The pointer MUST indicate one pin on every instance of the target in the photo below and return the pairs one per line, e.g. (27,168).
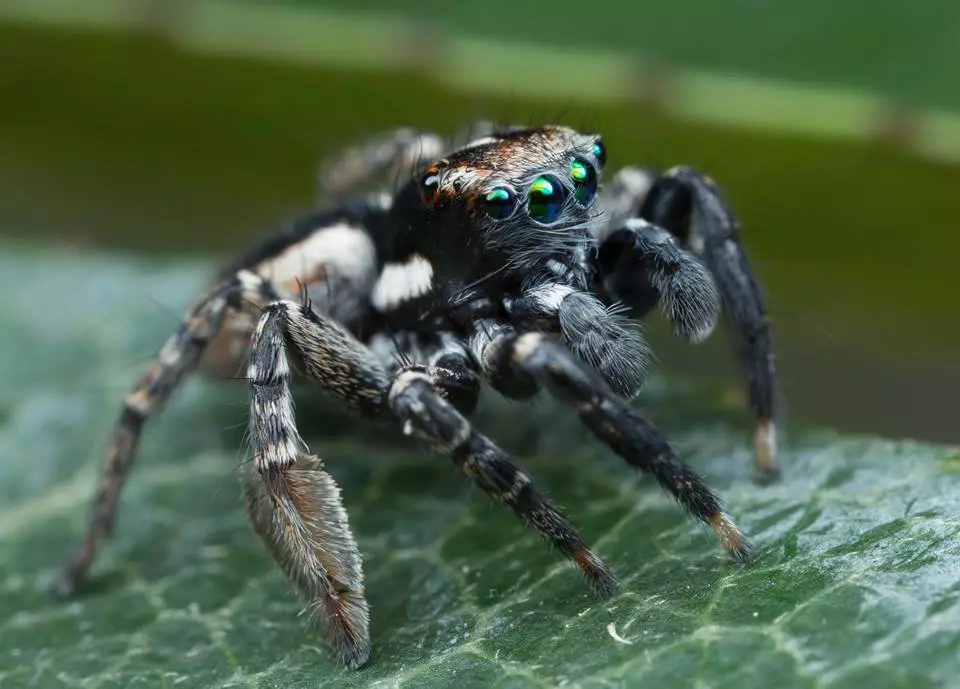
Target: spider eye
(430,185)
(585,178)
(500,203)
(545,199)
(600,152)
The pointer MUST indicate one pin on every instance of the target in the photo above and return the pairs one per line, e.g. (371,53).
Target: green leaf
(855,580)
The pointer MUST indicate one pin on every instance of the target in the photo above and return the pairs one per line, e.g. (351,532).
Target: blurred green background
(177,127)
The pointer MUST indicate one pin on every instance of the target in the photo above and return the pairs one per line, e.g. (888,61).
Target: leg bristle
(603,582)
(299,515)
(343,617)
(731,537)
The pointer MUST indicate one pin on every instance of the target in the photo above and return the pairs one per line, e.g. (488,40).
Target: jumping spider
(495,259)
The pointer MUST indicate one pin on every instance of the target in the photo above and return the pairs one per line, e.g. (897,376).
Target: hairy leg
(415,400)
(601,336)
(295,506)
(176,360)
(381,160)
(534,358)
(298,514)
(643,266)
(622,197)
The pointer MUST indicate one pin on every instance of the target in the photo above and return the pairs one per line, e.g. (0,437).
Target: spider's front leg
(177,359)
(295,505)
(691,208)
(523,362)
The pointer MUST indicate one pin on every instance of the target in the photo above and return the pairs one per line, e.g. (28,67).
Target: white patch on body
(637,182)
(400,282)
(248,281)
(338,265)
(341,252)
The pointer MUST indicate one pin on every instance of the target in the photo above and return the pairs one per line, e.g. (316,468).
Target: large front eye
(545,199)
(500,203)
(585,178)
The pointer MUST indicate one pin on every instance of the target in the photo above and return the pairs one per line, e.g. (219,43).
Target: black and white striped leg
(294,504)
(177,359)
(643,266)
(690,206)
(299,515)
(426,415)
(541,361)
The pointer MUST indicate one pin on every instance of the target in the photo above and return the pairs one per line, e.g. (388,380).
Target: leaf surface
(856,579)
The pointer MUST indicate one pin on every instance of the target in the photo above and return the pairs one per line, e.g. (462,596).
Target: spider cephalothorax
(523,194)
(498,258)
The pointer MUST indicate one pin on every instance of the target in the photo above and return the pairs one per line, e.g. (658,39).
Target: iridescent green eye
(500,203)
(585,178)
(545,199)
(578,171)
(600,152)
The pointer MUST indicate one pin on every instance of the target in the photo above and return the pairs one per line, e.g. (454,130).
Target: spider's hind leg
(177,359)
(689,205)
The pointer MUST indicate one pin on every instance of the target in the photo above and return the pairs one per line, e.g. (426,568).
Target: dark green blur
(887,46)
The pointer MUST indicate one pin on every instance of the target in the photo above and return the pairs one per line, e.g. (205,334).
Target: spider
(494,258)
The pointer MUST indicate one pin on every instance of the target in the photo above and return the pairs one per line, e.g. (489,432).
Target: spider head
(518,197)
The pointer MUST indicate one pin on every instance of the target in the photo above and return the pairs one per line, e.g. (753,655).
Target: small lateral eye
(499,203)
(545,199)
(585,178)
(430,185)
(600,152)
